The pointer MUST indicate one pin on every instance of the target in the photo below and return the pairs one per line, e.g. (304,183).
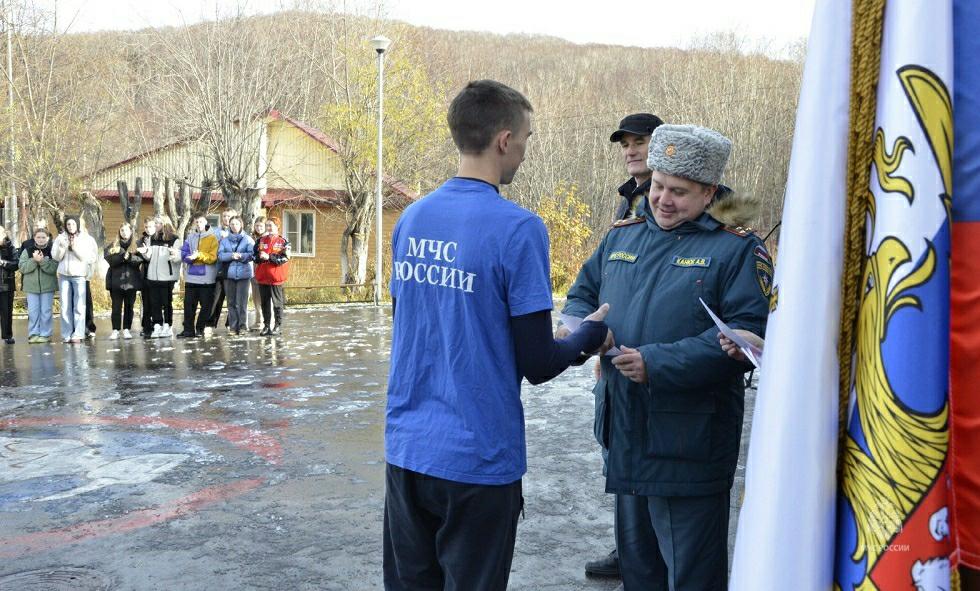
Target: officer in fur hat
(669,408)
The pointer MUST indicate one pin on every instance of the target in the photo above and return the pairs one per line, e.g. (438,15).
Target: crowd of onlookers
(217,265)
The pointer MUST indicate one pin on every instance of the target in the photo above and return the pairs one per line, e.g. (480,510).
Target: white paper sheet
(754,354)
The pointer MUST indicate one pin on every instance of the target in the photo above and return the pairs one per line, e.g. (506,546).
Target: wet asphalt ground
(251,463)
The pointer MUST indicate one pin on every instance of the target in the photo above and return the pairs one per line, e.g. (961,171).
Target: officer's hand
(600,315)
(728,346)
(562,332)
(609,343)
(631,365)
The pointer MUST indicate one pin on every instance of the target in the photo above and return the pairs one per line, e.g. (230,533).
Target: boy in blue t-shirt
(472,298)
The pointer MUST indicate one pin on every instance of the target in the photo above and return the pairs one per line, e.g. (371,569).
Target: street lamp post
(380,45)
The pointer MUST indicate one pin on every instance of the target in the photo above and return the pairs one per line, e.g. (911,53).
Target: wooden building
(303,185)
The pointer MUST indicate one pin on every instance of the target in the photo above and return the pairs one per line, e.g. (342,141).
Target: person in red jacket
(271,272)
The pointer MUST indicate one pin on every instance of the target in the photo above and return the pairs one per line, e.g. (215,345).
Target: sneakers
(114,335)
(208,331)
(32,339)
(277,331)
(157,332)
(265,332)
(126,334)
(166,332)
(9,341)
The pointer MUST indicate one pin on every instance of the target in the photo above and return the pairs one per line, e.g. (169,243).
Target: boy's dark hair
(481,110)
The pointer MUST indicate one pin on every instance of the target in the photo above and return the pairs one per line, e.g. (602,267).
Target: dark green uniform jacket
(678,434)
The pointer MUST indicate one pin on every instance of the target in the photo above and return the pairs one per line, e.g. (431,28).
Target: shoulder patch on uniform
(760,252)
(624,256)
(763,272)
(679,261)
(738,230)
(628,222)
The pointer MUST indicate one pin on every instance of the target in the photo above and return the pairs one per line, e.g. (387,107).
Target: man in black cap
(633,136)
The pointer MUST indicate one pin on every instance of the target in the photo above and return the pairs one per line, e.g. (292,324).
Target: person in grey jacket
(236,252)
(199,254)
(75,252)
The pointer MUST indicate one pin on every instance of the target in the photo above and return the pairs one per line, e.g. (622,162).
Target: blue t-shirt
(465,261)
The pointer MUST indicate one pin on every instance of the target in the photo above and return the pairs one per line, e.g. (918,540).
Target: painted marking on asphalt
(48,540)
(257,442)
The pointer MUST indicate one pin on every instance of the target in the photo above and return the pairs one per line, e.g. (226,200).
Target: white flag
(785,534)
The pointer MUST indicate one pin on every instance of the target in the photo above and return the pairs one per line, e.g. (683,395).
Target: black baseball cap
(637,123)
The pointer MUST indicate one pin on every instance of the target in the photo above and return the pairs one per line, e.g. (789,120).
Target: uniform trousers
(448,536)
(673,543)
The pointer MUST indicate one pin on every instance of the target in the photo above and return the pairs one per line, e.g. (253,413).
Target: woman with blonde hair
(162,273)
(123,280)
(236,251)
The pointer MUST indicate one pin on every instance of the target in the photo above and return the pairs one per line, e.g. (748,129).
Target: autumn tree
(415,132)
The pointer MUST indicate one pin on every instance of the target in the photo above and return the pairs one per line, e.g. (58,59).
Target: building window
(213,220)
(299,228)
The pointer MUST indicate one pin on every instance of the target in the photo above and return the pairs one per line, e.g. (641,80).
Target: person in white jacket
(75,252)
(162,273)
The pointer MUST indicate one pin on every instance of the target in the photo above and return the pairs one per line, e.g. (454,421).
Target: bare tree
(218,82)
(60,117)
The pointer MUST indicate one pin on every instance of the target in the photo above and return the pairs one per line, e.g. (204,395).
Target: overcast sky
(641,23)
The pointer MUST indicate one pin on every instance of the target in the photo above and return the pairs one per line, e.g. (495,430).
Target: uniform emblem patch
(763,272)
(626,257)
(691,262)
(761,252)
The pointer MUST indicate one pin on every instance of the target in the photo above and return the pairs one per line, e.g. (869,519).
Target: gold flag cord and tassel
(867,22)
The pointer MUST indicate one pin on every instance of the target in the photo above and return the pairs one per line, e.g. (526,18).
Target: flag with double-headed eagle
(893,496)
(877,255)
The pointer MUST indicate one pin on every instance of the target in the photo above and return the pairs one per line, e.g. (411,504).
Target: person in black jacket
(123,280)
(8,268)
(146,320)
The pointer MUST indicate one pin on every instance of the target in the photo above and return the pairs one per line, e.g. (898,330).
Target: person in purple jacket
(199,253)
